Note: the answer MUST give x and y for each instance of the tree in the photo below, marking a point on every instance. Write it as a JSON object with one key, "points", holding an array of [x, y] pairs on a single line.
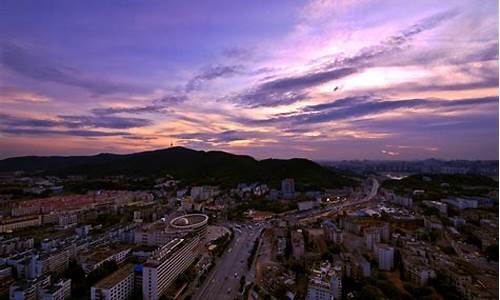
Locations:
{"points": [[492, 252], [370, 292]]}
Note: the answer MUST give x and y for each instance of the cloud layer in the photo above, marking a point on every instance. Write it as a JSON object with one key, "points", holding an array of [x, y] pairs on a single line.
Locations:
{"points": [[321, 79]]}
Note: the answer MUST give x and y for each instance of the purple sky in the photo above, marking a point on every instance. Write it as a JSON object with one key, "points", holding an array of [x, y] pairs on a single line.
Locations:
{"points": [[343, 79]]}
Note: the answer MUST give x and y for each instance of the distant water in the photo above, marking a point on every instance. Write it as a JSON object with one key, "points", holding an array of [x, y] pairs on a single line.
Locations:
{"points": [[395, 175]]}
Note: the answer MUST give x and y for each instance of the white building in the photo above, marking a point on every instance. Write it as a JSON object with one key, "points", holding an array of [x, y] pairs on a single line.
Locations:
{"points": [[166, 264], [372, 236], [117, 286], [385, 256]]}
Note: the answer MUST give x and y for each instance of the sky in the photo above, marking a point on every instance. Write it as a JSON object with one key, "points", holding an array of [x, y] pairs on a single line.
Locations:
{"points": [[325, 80]]}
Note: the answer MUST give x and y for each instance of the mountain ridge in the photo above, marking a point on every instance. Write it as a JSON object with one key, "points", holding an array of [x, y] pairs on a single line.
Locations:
{"points": [[185, 164]]}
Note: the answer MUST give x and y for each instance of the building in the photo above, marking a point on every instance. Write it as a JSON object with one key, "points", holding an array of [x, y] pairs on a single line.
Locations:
{"points": [[297, 244], [204, 192], [168, 262], [372, 236], [15, 244], [288, 188], [462, 203], [56, 262], [161, 232], [305, 205], [332, 232], [95, 259], [117, 286], [20, 223], [416, 269], [440, 206], [384, 255], [28, 289], [325, 283], [61, 290]]}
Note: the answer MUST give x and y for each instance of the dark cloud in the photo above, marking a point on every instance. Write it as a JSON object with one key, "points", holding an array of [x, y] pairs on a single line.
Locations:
{"points": [[343, 102], [171, 100], [71, 122], [237, 53], [112, 122], [487, 53], [361, 107], [29, 63], [131, 110], [140, 138], [307, 80], [288, 90], [211, 73], [435, 85], [51, 132], [349, 108], [157, 106], [214, 137], [11, 121], [391, 45], [438, 125]]}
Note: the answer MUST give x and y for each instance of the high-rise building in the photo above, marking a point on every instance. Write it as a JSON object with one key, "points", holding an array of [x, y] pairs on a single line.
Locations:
{"points": [[385, 256], [332, 232], [297, 244], [372, 236]]}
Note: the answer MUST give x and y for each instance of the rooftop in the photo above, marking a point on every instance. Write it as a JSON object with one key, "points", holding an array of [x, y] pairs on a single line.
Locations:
{"points": [[188, 221], [115, 277]]}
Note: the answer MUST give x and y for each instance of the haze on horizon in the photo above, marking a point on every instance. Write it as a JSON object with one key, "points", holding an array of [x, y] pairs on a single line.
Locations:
{"points": [[326, 80]]}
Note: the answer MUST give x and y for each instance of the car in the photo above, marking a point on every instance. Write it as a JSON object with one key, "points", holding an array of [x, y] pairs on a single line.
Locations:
{"points": [[235, 275], [229, 290]]}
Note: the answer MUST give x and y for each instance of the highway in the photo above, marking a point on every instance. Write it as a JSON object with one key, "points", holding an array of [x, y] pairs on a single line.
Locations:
{"points": [[373, 192], [222, 282]]}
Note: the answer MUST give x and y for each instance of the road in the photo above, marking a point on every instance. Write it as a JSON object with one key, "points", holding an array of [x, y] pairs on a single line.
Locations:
{"points": [[222, 282], [373, 192]]}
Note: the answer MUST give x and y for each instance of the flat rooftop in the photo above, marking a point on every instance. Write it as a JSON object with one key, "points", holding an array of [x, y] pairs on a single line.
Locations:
{"points": [[115, 277]]}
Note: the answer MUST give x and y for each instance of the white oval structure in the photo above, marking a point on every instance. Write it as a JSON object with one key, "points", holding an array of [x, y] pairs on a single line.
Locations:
{"points": [[191, 221]]}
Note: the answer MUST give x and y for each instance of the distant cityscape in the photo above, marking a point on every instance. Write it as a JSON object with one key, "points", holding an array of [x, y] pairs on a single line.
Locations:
{"points": [[431, 234], [480, 167]]}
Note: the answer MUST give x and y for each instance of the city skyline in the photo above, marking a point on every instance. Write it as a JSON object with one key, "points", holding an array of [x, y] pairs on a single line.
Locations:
{"points": [[325, 80]]}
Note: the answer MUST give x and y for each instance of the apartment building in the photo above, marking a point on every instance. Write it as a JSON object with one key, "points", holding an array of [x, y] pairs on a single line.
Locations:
{"points": [[117, 286], [166, 264]]}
